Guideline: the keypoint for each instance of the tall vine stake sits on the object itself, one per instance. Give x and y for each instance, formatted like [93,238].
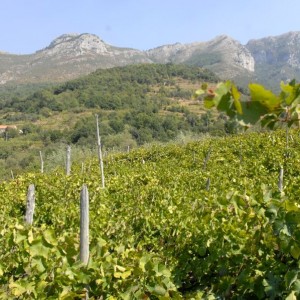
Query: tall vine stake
[30,204]
[280,179]
[100,153]
[84,225]
[84,230]
[68,161]
[42,162]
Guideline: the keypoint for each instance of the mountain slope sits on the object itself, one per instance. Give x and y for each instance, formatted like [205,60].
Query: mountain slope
[72,55]
[223,55]
[276,58]
[67,57]
[267,60]
[136,104]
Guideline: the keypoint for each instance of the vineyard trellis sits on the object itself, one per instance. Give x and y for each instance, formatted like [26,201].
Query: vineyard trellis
[156,230]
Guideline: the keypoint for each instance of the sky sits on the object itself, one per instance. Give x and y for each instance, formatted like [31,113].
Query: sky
[30,25]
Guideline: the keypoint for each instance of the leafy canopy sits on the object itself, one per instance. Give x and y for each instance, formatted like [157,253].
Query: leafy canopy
[262,106]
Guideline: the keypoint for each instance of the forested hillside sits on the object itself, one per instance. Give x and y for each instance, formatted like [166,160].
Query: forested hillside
[136,105]
[115,88]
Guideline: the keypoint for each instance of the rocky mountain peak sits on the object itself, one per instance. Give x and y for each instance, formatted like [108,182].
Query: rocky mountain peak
[221,40]
[75,44]
[165,53]
[62,39]
[232,48]
[209,54]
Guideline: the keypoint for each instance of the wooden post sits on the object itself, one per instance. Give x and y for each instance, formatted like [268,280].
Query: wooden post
[42,162]
[84,231]
[240,153]
[207,184]
[68,161]
[30,204]
[84,225]
[12,174]
[287,138]
[206,159]
[280,179]
[100,152]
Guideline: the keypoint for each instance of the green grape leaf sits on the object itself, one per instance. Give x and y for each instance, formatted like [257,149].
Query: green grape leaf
[127,295]
[144,261]
[252,112]
[66,294]
[222,89]
[225,104]
[292,217]
[295,251]
[50,238]
[38,248]
[291,296]
[17,289]
[157,290]
[209,101]
[236,99]
[20,236]
[266,98]
[199,92]
[122,275]
[37,263]
[285,231]
[272,286]
[288,92]
[161,270]
[296,286]
[269,121]
[290,277]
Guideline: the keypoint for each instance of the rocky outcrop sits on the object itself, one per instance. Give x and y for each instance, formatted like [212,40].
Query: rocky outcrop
[75,44]
[277,58]
[232,51]
[166,53]
[280,50]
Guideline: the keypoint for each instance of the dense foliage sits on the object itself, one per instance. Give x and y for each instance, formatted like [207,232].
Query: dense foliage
[136,105]
[115,88]
[200,221]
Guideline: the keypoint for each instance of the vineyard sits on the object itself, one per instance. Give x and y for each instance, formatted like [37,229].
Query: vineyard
[205,220]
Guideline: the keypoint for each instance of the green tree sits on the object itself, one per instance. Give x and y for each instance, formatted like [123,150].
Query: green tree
[117,124]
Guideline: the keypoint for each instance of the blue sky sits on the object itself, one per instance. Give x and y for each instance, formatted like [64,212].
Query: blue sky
[30,25]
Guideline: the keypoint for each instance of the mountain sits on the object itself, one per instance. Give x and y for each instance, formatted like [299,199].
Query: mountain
[266,60]
[276,58]
[222,55]
[67,57]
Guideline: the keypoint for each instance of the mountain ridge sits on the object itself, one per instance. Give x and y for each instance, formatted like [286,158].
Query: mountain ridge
[72,55]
